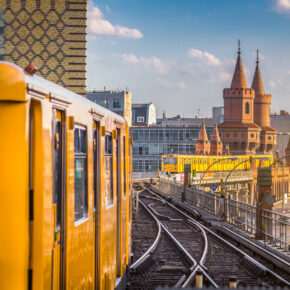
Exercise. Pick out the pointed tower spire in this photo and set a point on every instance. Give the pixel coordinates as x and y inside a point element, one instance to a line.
<point>202,133</point>
<point>257,83</point>
<point>215,137</point>
<point>216,146</point>
<point>202,145</point>
<point>239,79</point>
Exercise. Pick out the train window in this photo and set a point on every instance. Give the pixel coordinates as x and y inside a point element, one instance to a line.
<point>81,188</point>
<point>108,171</point>
<point>165,161</point>
<point>124,160</point>
<point>174,161</point>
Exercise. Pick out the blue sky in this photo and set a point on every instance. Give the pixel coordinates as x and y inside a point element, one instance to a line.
<point>180,54</point>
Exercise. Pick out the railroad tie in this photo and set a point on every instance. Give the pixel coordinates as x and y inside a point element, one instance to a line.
<point>147,264</point>
<point>251,266</point>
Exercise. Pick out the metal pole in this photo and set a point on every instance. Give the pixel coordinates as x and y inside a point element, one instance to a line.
<point>283,188</point>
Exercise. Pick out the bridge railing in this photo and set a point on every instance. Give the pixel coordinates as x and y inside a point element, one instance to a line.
<point>275,226</point>
<point>276,229</point>
<point>144,175</point>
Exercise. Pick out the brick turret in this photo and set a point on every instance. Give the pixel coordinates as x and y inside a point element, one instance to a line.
<point>238,129</point>
<point>202,145</point>
<point>262,101</point>
<point>262,105</point>
<point>216,146</point>
<point>238,99</point>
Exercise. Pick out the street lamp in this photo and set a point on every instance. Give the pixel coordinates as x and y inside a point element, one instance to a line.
<point>224,183</point>
<point>251,158</point>
<point>219,160</point>
<point>283,186</point>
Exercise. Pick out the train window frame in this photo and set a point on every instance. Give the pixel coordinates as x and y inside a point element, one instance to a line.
<point>109,154</point>
<point>81,153</point>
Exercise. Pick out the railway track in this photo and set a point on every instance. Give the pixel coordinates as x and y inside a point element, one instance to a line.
<point>141,222</point>
<point>203,250</point>
<point>159,264</point>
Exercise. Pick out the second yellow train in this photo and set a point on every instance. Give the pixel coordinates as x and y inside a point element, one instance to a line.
<point>175,163</point>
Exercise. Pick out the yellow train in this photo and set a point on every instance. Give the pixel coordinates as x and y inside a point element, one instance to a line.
<point>175,163</point>
<point>65,188</point>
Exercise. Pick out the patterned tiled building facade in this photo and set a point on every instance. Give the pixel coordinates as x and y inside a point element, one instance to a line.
<point>51,34</point>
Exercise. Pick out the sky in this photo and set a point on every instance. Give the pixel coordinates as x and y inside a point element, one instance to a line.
<point>180,54</point>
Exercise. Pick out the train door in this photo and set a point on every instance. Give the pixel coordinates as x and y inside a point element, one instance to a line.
<point>96,171</point>
<point>118,160</point>
<point>58,199</point>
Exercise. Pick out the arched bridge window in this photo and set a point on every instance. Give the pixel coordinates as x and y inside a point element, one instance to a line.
<point>247,108</point>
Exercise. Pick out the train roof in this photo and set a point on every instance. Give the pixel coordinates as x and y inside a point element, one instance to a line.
<point>14,83</point>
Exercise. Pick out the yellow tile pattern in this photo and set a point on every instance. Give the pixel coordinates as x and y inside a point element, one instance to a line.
<point>51,34</point>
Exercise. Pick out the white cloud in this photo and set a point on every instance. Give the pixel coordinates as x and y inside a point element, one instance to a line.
<point>281,6</point>
<point>98,25</point>
<point>272,84</point>
<point>205,57</point>
<point>208,67</point>
<point>152,63</point>
<point>172,85</point>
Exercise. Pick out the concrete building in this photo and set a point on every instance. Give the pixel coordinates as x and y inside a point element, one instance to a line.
<point>143,114</point>
<point>246,127</point>
<point>153,141</point>
<point>120,102</point>
<point>281,122</point>
<point>218,115</point>
<point>51,35</point>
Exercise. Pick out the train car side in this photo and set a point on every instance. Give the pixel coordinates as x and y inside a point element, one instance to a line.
<point>65,188</point>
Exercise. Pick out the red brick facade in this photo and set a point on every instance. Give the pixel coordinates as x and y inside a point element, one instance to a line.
<point>246,127</point>
<point>216,146</point>
<point>202,145</point>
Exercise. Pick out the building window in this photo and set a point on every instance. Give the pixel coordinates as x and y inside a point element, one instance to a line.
<point>247,108</point>
<point>106,103</point>
<point>116,104</point>
<point>140,119</point>
<point>81,189</point>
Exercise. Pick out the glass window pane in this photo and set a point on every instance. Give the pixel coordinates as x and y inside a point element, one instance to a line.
<point>81,192</point>
<point>81,197</point>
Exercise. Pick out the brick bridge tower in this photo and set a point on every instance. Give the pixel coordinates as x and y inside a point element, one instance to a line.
<point>238,129</point>
<point>262,103</point>
<point>202,145</point>
<point>216,146</point>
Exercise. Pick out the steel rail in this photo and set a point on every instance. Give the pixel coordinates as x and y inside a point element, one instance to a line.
<point>191,277</point>
<point>135,265</point>
<point>198,225</point>
<point>176,242</point>
<point>258,247</point>
<point>242,253</point>
<point>196,265</point>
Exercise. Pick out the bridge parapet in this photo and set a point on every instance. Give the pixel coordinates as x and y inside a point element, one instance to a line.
<point>275,226</point>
